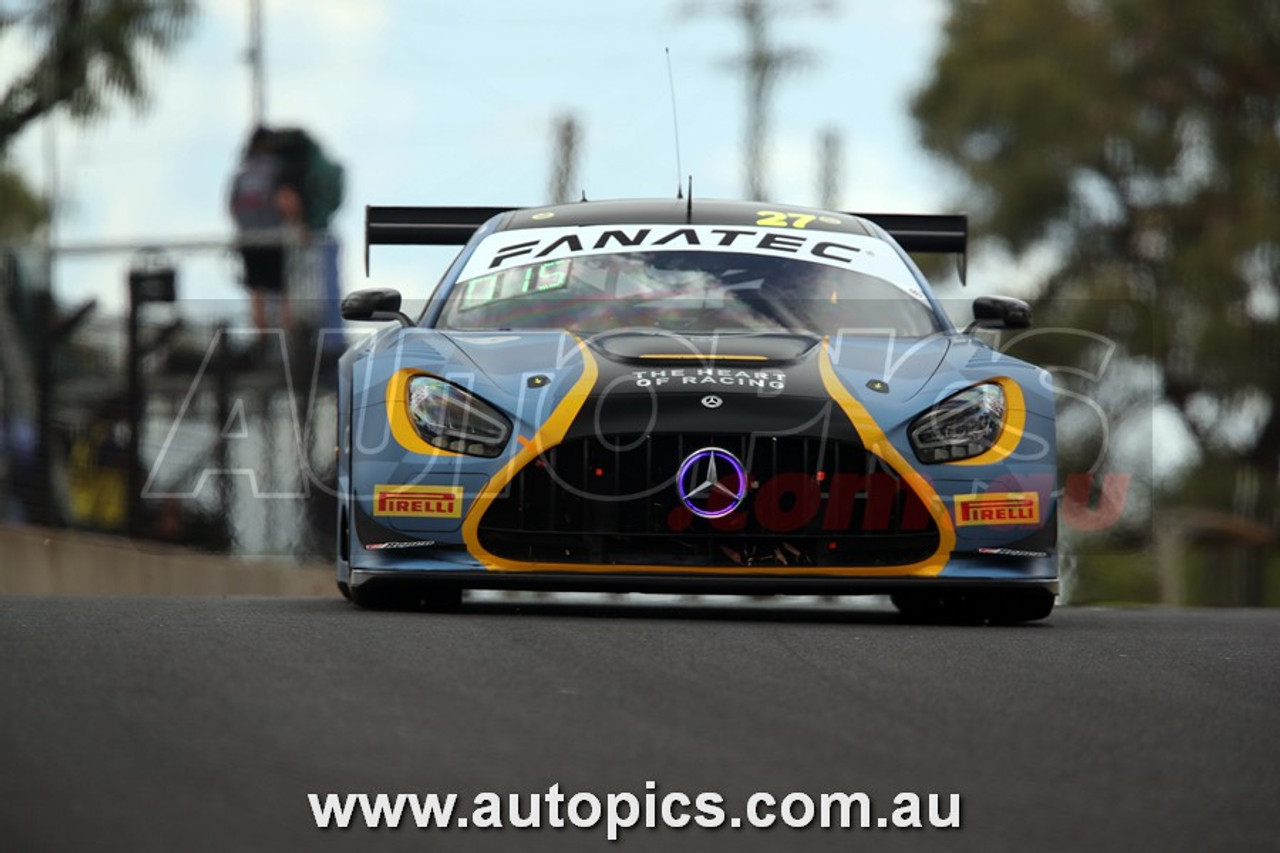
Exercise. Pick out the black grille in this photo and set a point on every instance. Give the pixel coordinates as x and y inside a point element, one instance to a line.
<point>613,500</point>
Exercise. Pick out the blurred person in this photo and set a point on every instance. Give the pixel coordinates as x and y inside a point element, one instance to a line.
<point>19,469</point>
<point>265,205</point>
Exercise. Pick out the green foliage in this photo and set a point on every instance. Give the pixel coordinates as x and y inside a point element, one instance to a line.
<point>1142,140</point>
<point>1115,578</point>
<point>1210,574</point>
<point>21,211</point>
<point>90,51</point>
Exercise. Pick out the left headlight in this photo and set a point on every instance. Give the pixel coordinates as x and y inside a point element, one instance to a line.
<point>450,418</point>
<point>960,427</point>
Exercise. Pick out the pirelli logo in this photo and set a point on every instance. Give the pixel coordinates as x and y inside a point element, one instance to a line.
<point>998,508</point>
<point>418,501</point>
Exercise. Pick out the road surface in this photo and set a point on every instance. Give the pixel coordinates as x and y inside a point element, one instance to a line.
<point>202,724</point>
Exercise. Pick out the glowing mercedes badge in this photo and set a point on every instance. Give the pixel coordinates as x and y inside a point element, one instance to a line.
<point>708,472</point>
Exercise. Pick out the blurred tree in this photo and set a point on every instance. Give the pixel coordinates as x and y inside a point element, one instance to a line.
<point>21,211</point>
<point>83,53</point>
<point>1141,141</point>
<point>87,51</point>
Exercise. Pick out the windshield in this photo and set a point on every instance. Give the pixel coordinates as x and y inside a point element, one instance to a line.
<point>686,291</point>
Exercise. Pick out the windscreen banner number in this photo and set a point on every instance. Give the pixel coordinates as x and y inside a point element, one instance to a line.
<point>786,219</point>
<point>522,281</point>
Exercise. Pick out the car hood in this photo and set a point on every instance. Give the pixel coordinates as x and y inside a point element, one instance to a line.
<point>507,366</point>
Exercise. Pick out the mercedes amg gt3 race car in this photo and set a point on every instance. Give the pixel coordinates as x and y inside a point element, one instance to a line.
<point>680,396</point>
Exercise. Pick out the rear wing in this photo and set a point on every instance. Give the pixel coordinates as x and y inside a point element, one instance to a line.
<point>928,233</point>
<point>422,226</point>
<point>453,226</point>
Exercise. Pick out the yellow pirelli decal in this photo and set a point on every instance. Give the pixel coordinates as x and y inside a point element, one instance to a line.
<point>418,501</point>
<point>997,508</point>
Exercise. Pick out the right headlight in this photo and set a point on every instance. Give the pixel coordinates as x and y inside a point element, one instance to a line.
<point>962,426</point>
<point>450,418</point>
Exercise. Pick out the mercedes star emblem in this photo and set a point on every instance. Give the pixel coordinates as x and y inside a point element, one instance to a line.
<point>711,401</point>
<point>707,472</point>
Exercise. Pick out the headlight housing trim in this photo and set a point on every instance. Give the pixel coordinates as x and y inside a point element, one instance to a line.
<point>451,418</point>
<point>963,426</point>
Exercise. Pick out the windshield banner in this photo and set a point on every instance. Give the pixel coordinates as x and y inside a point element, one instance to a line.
<point>867,255</point>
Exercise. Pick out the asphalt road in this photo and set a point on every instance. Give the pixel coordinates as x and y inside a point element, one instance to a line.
<point>202,724</point>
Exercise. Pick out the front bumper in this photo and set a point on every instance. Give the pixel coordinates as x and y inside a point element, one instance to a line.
<point>1040,574</point>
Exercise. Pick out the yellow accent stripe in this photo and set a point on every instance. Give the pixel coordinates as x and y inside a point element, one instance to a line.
<point>874,439</point>
<point>553,431</point>
<point>692,357</point>
<point>1015,422</point>
<point>398,415</point>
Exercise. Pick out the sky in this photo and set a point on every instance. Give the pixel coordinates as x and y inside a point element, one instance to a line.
<point>455,103</point>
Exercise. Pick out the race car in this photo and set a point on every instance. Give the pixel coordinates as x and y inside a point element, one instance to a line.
<point>669,395</point>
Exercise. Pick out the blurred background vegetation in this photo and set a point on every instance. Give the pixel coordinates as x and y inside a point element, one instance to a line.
<point>1136,145</point>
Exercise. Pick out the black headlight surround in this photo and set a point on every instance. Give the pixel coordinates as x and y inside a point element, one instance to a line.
<point>451,418</point>
<point>962,426</point>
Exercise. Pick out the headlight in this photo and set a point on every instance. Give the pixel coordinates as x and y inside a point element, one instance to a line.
<point>452,419</point>
<point>960,427</point>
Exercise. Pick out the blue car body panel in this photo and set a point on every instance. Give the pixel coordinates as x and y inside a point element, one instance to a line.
<point>993,517</point>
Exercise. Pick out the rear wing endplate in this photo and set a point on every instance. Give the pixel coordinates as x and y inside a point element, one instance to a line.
<point>453,226</point>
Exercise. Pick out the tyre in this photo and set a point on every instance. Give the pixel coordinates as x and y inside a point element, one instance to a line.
<point>920,606</point>
<point>974,607</point>
<point>1011,607</point>
<point>437,598</point>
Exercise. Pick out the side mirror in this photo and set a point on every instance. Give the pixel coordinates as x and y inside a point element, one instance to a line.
<point>378,304</point>
<point>999,312</point>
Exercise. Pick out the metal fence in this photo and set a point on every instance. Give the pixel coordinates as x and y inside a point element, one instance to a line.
<point>165,414</point>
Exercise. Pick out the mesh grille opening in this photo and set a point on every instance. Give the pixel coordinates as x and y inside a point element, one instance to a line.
<point>612,500</point>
